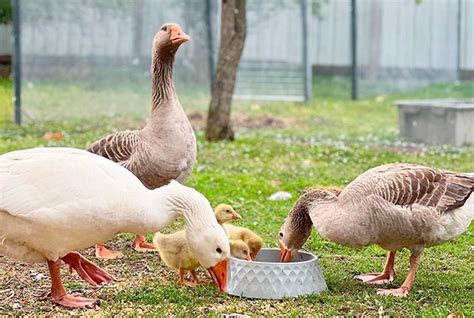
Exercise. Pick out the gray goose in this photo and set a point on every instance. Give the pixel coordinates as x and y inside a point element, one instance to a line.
<point>165,148</point>
<point>395,206</point>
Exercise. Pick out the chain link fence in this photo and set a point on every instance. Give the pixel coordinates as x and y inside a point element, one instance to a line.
<point>87,58</point>
<point>90,58</point>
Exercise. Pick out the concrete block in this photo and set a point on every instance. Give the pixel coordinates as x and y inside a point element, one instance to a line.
<point>439,122</point>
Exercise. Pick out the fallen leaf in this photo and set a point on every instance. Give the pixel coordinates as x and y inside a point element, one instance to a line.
<point>275,183</point>
<point>53,136</point>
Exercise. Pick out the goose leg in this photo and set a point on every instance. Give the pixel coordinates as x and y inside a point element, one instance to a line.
<point>140,245</point>
<point>195,277</point>
<point>407,284</point>
<point>88,271</point>
<point>183,281</point>
<point>103,252</point>
<point>58,292</point>
<point>386,276</point>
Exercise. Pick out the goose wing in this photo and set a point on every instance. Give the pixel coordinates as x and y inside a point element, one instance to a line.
<point>409,184</point>
<point>53,184</point>
<point>122,147</point>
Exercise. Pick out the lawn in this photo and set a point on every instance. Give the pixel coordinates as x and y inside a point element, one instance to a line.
<point>280,146</point>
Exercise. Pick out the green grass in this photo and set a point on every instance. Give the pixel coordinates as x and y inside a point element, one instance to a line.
<point>326,142</point>
<point>6,105</point>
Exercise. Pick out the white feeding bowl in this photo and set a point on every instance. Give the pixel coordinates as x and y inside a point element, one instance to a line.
<point>268,278</point>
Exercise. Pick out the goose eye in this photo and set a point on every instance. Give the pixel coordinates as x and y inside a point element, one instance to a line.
<point>281,234</point>
<point>218,250</point>
<point>164,28</point>
<point>245,252</point>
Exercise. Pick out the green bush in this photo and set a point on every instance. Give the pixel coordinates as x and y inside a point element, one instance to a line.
<point>5,11</point>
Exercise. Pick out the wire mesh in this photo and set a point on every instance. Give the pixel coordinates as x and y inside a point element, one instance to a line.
<point>272,65</point>
<point>91,58</point>
<point>88,58</point>
<point>402,45</point>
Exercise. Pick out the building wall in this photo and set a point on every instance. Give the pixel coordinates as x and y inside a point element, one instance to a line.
<point>392,33</point>
<point>396,33</point>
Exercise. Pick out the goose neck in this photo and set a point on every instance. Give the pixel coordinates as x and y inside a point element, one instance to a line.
<point>162,82</point>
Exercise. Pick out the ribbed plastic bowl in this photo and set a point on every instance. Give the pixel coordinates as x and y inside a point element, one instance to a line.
<point>267,278</point>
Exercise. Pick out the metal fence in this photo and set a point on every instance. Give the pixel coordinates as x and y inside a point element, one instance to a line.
<point>394,46</point>
<point>83,58</point>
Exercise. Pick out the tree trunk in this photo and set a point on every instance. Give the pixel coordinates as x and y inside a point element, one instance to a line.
<point>233,29</point>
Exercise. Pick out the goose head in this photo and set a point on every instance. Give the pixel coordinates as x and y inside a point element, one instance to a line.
<point>210,246</point>
<point>206,238</point>
<point>240,250</point>
<point>225,213</point>
<point>297,227</point>
<point>168,39</point>
<point>255,245</point>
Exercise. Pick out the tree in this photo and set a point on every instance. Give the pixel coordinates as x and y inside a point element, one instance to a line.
<point>233,31</point>
<point>5,11</point>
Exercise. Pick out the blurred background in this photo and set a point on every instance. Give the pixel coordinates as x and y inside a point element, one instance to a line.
<point>91,58</point>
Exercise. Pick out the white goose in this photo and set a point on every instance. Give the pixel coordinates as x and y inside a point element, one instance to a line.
<point>54,201</point>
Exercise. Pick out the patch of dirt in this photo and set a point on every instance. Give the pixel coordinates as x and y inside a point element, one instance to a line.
<point>24,288</point>
<point>242,121</point>
<point>5,72</point>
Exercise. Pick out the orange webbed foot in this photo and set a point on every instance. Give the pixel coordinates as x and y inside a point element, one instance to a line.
<point>101,252</point>
<point>73,301</point>
<point>376,278</point>
<point>140,245</point>
<point>87,270</point>
<point>397,292</point>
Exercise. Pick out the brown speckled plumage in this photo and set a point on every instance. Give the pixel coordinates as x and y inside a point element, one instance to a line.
<point>165,148</point>
<point>409,185</point>
<point>395,206</point>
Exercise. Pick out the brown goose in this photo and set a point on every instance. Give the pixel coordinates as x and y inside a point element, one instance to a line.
<point>165,148</point>
<point>395,206</point>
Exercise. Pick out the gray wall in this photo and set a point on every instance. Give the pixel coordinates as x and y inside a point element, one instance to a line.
<point>420,36</point>
<point>405,35</point>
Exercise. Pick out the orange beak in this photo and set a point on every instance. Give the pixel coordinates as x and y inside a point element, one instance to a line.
<point>249,258</point>
<point>253,256</point>
<point>218,274</point>
<point>236,216</point>
<point>285,254</point>
<point>178,36</point>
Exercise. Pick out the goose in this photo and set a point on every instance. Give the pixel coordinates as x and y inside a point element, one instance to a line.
<point>395,206</point>
<point>177,254</point>
<point>239,249</point>
<point>225,213</point>
<point>253,240</point>
<point>54,201</point>
<point>165,148</point>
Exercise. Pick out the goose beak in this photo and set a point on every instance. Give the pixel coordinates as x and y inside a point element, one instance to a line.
<point>236,216</point>
<point>249,258</point>
<point>178,36</point>
<point>218,274</point>
<point>253,256</point>
<point>285,254</point>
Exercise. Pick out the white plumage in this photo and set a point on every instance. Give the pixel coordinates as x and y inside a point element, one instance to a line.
<point>57,200</point>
